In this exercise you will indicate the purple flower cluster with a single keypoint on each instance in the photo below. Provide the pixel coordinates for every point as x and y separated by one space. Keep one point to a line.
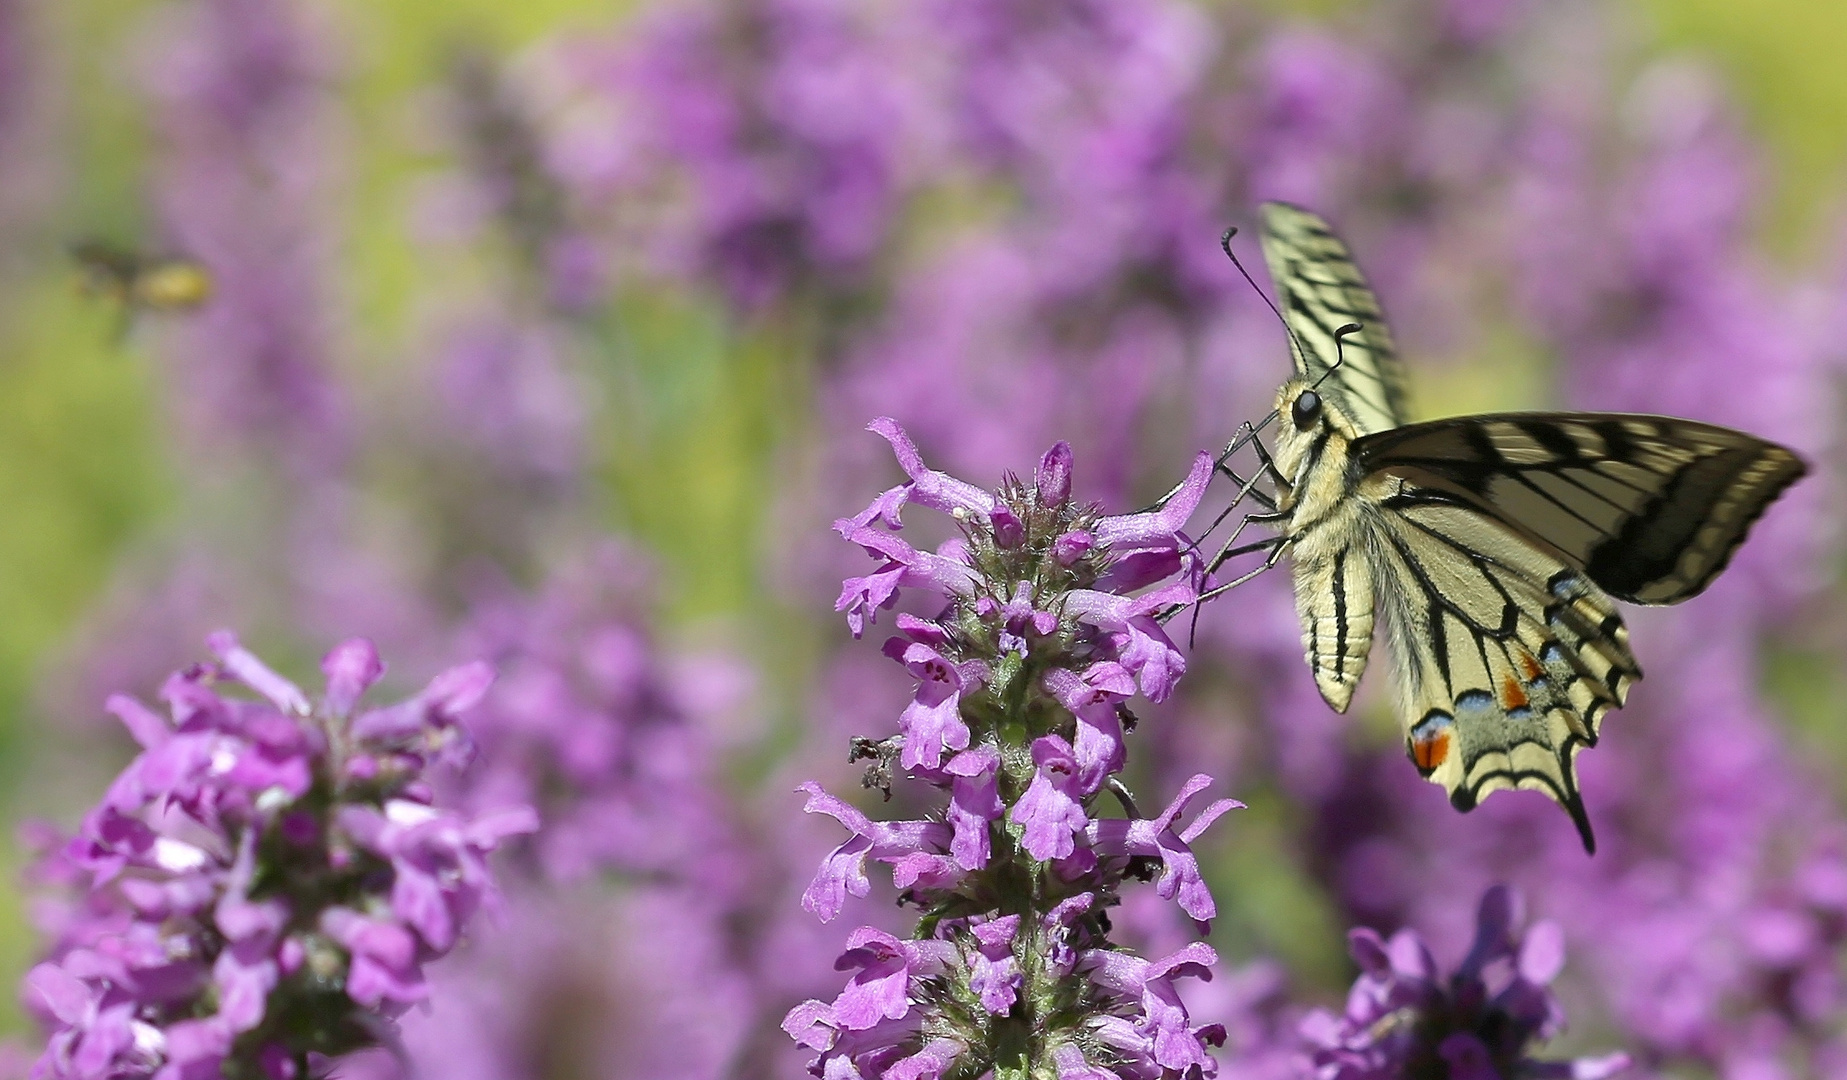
638 897
268 878
759 147
1051 620
1405 1019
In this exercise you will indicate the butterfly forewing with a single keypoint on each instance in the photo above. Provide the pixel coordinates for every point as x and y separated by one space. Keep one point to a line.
1648 507
1320 290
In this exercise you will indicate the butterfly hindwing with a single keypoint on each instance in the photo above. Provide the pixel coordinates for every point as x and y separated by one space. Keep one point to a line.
1650 508
1508 658
1320 290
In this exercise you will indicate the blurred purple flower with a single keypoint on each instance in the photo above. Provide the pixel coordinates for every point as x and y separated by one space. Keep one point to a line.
577 981
509 395
242 90
268 878
770 142
1404 1018
595 726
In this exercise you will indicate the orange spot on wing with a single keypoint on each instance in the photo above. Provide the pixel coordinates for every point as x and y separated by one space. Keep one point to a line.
1530 666
1512 697
1430 752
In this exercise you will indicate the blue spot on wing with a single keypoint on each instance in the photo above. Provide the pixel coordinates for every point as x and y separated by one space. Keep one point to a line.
1471 704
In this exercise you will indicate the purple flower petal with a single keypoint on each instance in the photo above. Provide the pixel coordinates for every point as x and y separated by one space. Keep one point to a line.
932 722
243 665
351 668
937 490
1052 478
1049 812
974 801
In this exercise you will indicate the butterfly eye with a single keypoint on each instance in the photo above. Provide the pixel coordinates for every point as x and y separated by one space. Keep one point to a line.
1306 410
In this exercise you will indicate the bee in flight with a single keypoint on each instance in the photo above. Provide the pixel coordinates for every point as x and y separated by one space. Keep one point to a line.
1491 547
137 282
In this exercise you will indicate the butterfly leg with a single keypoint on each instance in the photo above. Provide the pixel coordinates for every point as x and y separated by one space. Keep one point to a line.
1269 464
1276 544
1226 553
1246 488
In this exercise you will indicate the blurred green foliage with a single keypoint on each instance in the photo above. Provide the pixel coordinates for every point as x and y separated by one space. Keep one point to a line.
1782 60
81 468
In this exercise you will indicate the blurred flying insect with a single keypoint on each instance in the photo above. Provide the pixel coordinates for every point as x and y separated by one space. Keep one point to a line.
139 282
1491 547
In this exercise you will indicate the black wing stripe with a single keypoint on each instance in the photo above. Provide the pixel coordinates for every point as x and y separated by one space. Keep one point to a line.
1482 564
1645 560
1299 304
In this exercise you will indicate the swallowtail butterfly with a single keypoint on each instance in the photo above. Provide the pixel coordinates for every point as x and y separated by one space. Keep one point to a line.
1491 547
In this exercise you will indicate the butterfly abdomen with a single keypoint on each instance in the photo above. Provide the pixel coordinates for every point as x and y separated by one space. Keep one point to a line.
1335 600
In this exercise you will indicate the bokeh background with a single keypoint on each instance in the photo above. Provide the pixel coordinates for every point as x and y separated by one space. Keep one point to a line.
547 332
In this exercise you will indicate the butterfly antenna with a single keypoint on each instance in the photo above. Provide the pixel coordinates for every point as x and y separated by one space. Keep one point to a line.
1225 243
1340 350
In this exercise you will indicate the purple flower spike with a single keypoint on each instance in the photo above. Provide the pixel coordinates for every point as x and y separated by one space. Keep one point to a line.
1403 1014
228 866
1021 683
